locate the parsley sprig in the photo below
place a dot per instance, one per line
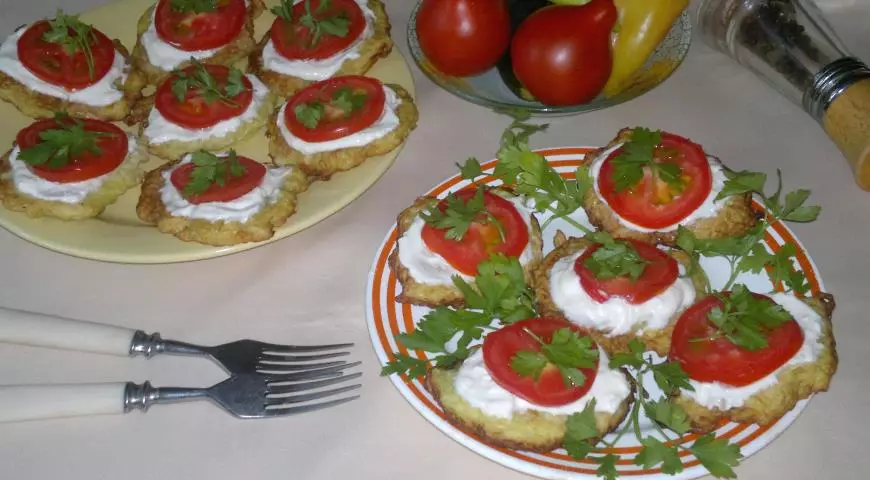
(717, 455)
(531, 175)
(344, 102)
(458, 215)
(315, 21)
(194, 6)
(74, 36)
(641, 153)
(499, 296)
(211, 169)
(614, 258)
(58, 146)
(744, 320)
(205, 85)
(567, 350)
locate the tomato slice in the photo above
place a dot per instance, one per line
(501, 346)
(51, 63)
(719, 360)
(192, 31)
(233, 188)
(293, 41)
(482, 239)
(113, 147)
(660, 273)
(195, 111)
(336, 123)
(649, 204)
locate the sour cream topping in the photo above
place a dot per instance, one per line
(708, 209)
(104, 92)
(386, 123)
(238, 210)
(428, 267)
(162, 130)
(474, 384)
(164, 55)
(31, 184)
(719, 396)
(318, 69)
(616, 316)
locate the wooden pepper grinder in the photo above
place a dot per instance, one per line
(790, 45)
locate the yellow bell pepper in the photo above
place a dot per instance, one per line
(642, 25)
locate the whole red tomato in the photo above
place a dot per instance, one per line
(463, 37)
(561, 54)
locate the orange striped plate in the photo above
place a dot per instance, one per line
(386, 318)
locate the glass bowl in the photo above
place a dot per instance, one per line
(489, 90)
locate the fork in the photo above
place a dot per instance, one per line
(242, 356)
(248, 395)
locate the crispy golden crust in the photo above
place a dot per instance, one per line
(38, 105)
(323, 165)
(176, 149)
(445, 295)
(372, 49)
(259, 228)
(530, 431)
(229, 54)
(793, 384)
(125, 177)
(734, 219)
(658, 340)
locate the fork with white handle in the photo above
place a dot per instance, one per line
(247, 395)
(242, 356)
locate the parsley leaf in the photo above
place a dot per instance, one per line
(403, 364)
(309, 114)
(742, 182)
(470, 169)
(654, 452)
(194, 6)
(206, 86)
(670, 377)
(348, 101)
(74, 36)
(744, 319)
(284, 10)
(669, 414)
(580, 427)
(210, 169)
(499, 290)
(717, 455)
(639, 154)
(456, 215)
(566, 350)
(58, 146)
(529, 364)
(614, 258)
(337, 25)
(607, 466)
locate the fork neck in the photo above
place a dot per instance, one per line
(140, 396)
(150, 345)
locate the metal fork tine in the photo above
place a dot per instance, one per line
(277, 372)
(269, 357)
(307, 397)
(280, 412)
(298, 367)
(273, 388)
(273, 348)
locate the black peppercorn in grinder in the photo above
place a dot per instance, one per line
(789, 44)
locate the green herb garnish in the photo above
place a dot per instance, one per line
(284, 10)
(210, 169)
(458, 215)
(60, 145)
(74, 36)
(639, 154)
(745, 320)
(205, 85)
(614, 258)
(337, 25)
(194, 6)
(567, 350)
(344, 102)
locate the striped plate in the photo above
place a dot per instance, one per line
(386, 318)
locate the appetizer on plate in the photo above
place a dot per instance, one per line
(69, 168)
(618, 290)
(173, 33)
(440, 239)
(335, 125)
(750, 357)
(219, 199)
(511, 392)
(314, 40)
(203, 107)
(646, 184)
(64, 64)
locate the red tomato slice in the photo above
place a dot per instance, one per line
(720, 360)
(191, 31)
(501, 346)
(335, 122)
(195, 111)
(644, 204)
(659, 274)
(481, 240)
(293, 41)
(51, 63)
(113, 148)
(233, 188)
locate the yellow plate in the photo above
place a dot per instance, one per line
(118, 236)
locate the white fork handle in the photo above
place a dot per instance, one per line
(38, 402)
(27, 328)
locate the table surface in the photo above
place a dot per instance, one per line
(309, 289)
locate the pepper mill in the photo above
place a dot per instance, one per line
(790, 45)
